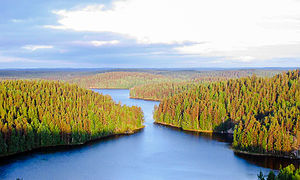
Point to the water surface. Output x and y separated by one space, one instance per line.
155 153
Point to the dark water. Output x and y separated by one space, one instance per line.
155 153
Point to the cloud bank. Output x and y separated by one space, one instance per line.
233 29
37 47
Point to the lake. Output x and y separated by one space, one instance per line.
157 152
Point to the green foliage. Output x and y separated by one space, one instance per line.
260 176
158 91
287 173
184 80
263 112
119 80
48 113
151 84
271 176
158 84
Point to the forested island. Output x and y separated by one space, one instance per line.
36 114
262 112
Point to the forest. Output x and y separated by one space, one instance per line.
189 79
260 108
158 91
39 113
155 84
130 78
262 112
119 80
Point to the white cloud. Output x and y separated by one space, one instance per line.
246 58
103 43
36 47
95 43
231 28
17 20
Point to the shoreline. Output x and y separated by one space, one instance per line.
191 130
109 88
265 154
145 99
234 150
72 145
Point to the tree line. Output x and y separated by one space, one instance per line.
287 173
263 112
118 80
48 113
160 90
126 79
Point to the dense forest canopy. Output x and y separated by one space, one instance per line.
157 84
158 91
66 73
46 74
264 111
47 113
129 78
119 80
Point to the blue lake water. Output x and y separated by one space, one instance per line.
157 152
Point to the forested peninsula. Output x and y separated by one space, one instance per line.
36 114
262 112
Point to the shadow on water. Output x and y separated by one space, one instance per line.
269 162
262 161
59 149
220 137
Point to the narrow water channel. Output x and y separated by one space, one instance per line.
155 153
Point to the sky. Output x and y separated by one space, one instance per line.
149 33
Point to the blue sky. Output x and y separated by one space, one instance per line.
143 33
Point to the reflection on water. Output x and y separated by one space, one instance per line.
269 162
264 161
210 136
56 149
